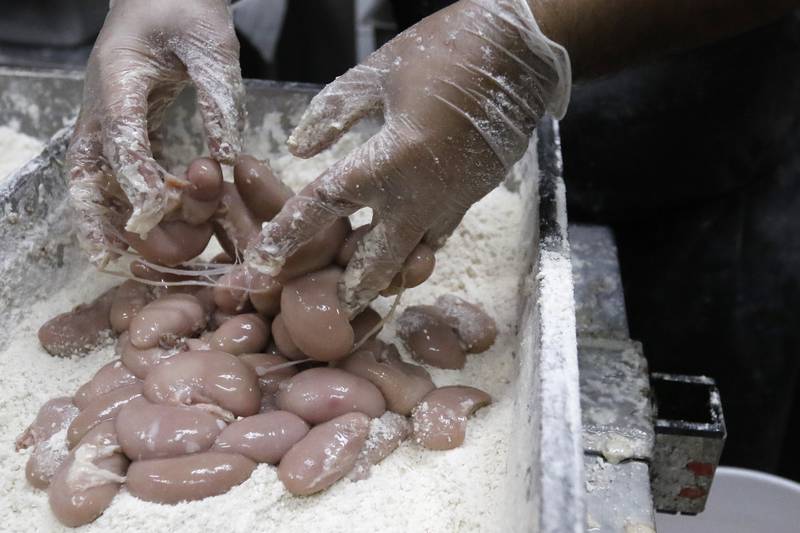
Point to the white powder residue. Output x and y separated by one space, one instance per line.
16 149
52 452
414 489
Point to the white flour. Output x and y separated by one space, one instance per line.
17 149
412 490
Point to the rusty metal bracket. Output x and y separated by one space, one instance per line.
689 437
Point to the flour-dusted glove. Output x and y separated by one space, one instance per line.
146 53
460 93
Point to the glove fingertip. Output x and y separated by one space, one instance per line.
313 136
333 112
224 116
149 198
224 152
264 257
303 144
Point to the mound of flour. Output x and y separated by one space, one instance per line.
412 490
16 149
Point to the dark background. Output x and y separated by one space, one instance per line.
693 160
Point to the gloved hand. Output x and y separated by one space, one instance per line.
460 93
146 53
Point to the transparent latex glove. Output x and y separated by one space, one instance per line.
146 53
460 93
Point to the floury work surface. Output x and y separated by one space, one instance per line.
521 467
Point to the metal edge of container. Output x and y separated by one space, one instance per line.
39 102
549 479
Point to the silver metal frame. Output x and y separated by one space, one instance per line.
548 493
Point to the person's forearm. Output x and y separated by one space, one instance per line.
605 35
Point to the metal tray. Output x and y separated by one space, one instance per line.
545 490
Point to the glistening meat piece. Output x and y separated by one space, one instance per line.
141 362
205 377
129 299
78 331
265 295
172 242
402 384
234 225
429 338
364 322
440 420
312 315
111 376
271 370
151 431
200 200
53 416
320 394
167 319
264 438
474 327
187 478
385 435
283 341
325 455
89 479
47 434
231 290
99 410
262 191
247 333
